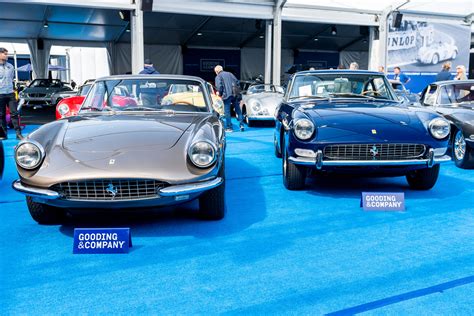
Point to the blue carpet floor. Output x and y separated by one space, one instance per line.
276 252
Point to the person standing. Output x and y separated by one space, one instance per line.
400 76
148 68
225 83
7 94
460 73
381 69
444 74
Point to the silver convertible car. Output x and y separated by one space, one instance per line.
260 101
135 142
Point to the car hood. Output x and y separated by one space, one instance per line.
115 146
124 133
368 121
42 90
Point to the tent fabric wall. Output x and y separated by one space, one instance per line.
39 57
347 57
167 59
252 62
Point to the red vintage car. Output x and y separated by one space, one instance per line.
70 106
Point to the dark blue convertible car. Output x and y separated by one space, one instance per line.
351 122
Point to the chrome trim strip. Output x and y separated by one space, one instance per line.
36 192
312 162
190 187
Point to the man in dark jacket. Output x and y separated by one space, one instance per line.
225 83
7 94
148 68
444 74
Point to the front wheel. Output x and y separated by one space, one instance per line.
423 179
435 59
463 155
294 176
45 214
212 202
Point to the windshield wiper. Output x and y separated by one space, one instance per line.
350 94
309 97
93 108
139 108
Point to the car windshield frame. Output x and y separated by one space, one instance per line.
146 95
273 89
444 94
329 78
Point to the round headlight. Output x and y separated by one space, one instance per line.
29 155
303 129
202 154
439 128
63 109
255 105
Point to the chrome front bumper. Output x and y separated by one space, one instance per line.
319 163
171 191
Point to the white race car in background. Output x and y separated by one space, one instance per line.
437 52
260 101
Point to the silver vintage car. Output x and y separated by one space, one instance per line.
135 142
260 101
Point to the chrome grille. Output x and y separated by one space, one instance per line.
374 151
109 190
36 95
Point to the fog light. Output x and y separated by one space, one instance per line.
305 153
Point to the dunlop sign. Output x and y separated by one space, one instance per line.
401 40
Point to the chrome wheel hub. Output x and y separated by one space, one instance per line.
459 146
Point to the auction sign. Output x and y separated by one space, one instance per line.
383 201
102 240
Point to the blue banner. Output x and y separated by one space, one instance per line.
201 62
102 240
383 201
316 60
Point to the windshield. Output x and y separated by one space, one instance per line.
456 93
337 85
259 88
146 95
46 83
85 89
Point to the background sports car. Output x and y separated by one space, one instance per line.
455 101
69 105
119 153
81 91
260 101
351 122
40 91
437 52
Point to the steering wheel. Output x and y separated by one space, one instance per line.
371 92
